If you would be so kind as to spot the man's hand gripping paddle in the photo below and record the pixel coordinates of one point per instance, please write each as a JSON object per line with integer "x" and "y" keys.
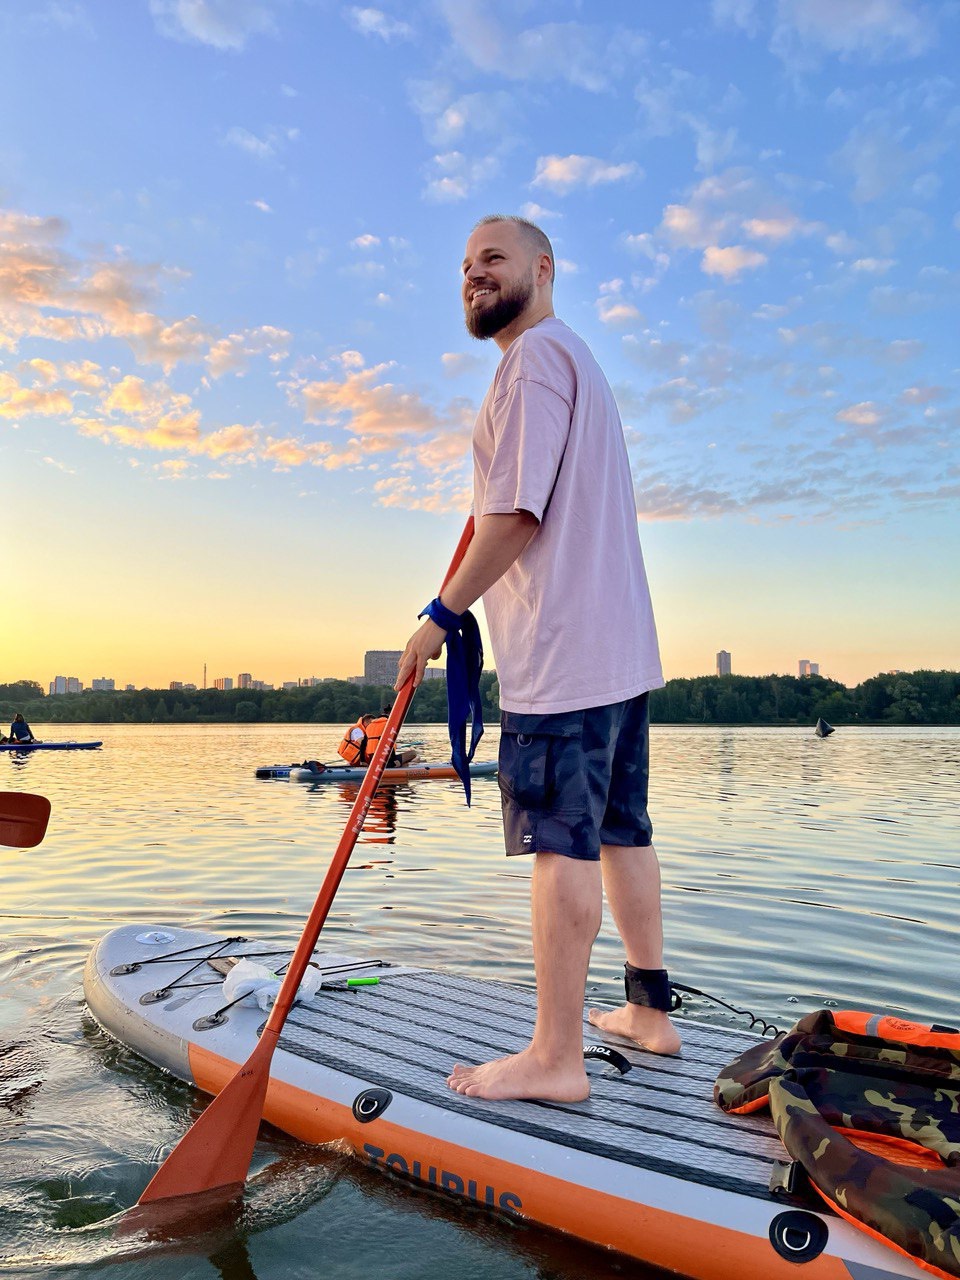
{"x": 23, "y": 819}
{"x": 215, "y": 1153}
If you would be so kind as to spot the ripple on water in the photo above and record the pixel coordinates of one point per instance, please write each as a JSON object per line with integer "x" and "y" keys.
{"x": 797, "y": 872}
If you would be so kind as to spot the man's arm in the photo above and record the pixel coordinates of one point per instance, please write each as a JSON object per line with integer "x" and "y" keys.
{"x": 497, "y": 542}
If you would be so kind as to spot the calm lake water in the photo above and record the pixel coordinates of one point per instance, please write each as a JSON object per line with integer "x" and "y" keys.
{"x": 797, "y": 872}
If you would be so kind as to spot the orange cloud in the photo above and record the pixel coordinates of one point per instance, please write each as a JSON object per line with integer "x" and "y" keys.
{"x": 402, "y": 492}
{"x": 233, "y": 354}
{"x": 17, "y": 401}
{"x": 369, "y": 411}
{"x": 730, "y": 261}
{"x": 84, "y": 373}
{"x": 90, "y": 300}
{"x": 44, "y": 370}
{"x": 227, "y": 441}
{"x": 864, "y": 414}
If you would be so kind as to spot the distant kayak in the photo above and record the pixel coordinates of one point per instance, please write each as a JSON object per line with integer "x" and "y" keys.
{"x": 349, "y": 773}
{"x": 49, "y": 746}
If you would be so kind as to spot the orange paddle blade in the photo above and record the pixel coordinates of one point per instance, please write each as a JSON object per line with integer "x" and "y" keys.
{"x": 216, "y": 1151}
{"x": 23, "y": 819}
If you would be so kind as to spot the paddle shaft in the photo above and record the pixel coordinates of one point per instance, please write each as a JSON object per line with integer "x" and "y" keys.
{"x": 216, "y": 1150}
{"x": 338, "y": 865}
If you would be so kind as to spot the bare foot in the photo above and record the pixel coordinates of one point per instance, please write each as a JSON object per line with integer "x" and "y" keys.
{"x": 520, "y": 1075}
{"x": 651, "y": 1029}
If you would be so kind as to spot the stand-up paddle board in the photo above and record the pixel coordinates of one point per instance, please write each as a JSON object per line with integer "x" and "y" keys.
{"x": 350, "y": 773}
{"x": 648, "y": 1165}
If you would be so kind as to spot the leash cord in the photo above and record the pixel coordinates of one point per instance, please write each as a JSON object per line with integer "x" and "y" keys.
{"x": 766, "y": 1028}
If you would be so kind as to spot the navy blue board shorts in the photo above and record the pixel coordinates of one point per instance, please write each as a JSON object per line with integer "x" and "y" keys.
{"x": 574, "y": 780}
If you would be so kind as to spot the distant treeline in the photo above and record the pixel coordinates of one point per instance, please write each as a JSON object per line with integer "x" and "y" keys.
{"x": 908, "y": 697}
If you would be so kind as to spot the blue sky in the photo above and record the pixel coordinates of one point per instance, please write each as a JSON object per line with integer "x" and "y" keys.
{"x": 235, "y": 388}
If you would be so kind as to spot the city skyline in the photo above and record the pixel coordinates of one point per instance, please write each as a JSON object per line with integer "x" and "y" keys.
{"x": 722, "y": 665}
{"x": 236, "y": 393}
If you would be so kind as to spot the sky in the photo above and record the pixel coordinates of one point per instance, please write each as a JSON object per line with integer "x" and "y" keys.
{"x": 236, "y": 393}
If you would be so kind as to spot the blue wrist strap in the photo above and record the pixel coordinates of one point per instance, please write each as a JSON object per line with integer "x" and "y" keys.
{"x": 438, "y": 612}
{"x": 464, "y": 666}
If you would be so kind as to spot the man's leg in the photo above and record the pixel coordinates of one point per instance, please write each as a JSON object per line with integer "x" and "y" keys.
{"x": 566, "y": 904}
{"x": 631, "y": 878}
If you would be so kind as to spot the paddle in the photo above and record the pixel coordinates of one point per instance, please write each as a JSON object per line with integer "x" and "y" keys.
{"x": 215, "y": 1152}
{"x": 23, "y": 819}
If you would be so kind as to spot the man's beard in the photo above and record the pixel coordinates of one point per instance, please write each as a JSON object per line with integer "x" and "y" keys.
{"x": 487, "y": 321}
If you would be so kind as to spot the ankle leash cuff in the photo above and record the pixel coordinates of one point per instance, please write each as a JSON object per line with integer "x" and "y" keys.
{"x": 648, "y": 987}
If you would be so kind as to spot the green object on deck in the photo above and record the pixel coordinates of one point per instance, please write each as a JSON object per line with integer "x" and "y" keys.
{"x": 362, "y": 982}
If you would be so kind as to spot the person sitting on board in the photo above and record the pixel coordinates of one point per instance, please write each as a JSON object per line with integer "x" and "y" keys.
{"x": 362, "y": 739}
{"x": 20, "y": 731}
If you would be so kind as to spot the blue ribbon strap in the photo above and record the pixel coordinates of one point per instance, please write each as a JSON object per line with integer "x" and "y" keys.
{"x": 464, "y": 667}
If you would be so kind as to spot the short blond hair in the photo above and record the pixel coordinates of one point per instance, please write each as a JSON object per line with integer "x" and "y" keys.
{"x": 533, "y": 235}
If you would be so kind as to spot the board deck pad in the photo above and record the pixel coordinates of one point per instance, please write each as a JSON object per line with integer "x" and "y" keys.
{"x": 407, "y": 1033}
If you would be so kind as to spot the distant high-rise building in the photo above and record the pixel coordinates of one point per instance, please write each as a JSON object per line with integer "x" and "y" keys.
{"x": 435, "y": 673}
{"x": 65, "y": 684}
{"x": 290, "y": 684}
{"x": 223, "y": 683}
{"x": 244, "y": 680}
{"x": 380, "y": 665}
{"x": 103, "y": 685}
{"x": 808, "y": 668}
{"x": 130, "y": 688}
{"x": 176, "y": 684}
{"x": 723, "y": 663}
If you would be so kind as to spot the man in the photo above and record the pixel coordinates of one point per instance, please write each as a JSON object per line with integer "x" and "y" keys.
{"x": 556, "y": 557}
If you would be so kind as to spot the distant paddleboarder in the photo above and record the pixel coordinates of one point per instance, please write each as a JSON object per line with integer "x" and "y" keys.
{"x": 360, "y": 742}
{"x": 20, "y": 731}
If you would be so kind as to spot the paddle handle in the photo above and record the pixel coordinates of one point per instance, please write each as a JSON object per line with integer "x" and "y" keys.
{"x": 338, "y": 864}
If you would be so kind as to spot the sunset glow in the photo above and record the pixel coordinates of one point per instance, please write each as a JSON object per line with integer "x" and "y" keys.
{"x": 236, "y": 393}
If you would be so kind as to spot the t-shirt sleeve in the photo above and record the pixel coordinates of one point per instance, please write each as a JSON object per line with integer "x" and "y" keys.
{"x": 531, "y": 423}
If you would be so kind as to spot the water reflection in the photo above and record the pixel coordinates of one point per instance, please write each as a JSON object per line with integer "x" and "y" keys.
{"x": 797, "y": 872}
{"x": 380, "y": 824}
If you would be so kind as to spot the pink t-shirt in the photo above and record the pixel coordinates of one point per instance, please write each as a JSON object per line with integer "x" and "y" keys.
{"x": 570, "y": 621}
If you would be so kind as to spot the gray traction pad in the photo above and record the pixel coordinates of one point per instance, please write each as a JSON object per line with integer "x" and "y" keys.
{"x": 406, "y": 1033}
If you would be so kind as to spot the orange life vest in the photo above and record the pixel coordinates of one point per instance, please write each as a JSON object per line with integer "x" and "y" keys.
{"x": 362, "y": 752}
